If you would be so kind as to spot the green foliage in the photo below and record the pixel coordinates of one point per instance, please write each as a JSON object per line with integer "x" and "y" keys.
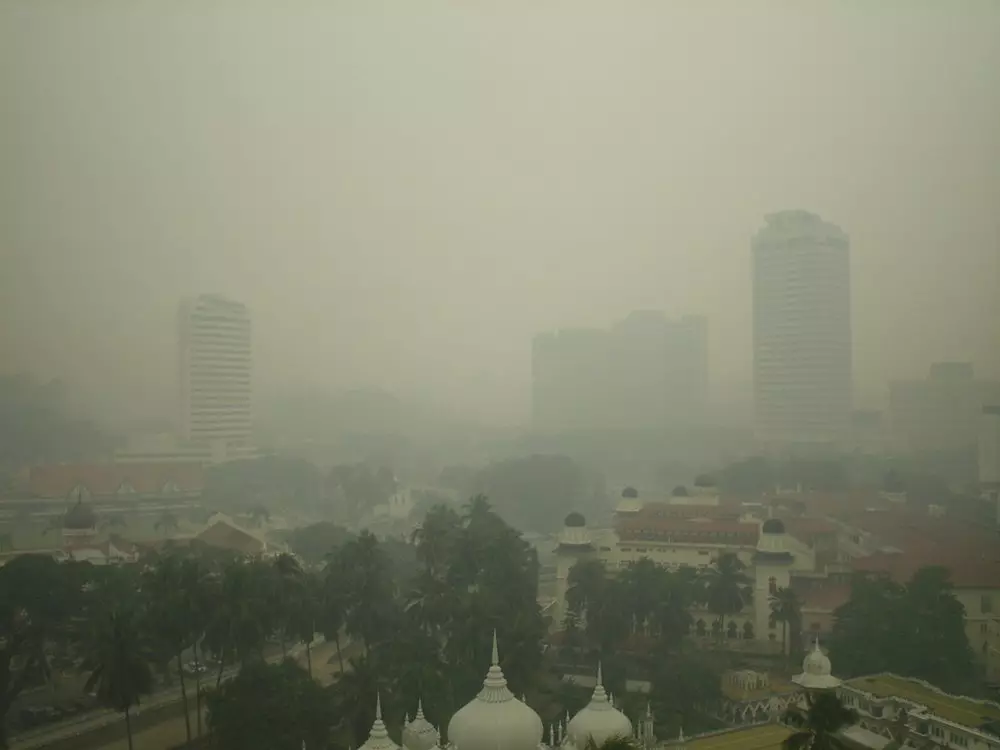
{"x": 270, "y": 707}
{"x": 260, "y": 482}
{"x": 39, "y": 600}
{"x": 358, "y": 488}
{"x": 726, "y": 588}
{"x": 312, "y": 543}
{"x": 36, "y": 426}
{"x": 645, "y": 598}
{"x": 686, "y": 683}
{"x": 818, "y": 725}
{"x": 916, "y": 630}
{"x": 786, "y": 608}
{"x": 536, "y": 492}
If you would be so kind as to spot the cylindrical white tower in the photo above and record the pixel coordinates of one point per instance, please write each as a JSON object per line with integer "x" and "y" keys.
{"x": 801, "y": 333}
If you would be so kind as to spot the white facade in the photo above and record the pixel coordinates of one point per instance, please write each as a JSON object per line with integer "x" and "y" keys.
{"x": 216, "y": 367}
{"x": 801, "y": 332}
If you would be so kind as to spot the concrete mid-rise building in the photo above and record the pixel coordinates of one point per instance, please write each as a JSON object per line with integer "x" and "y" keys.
{"x": 647, "y": 372}
{"x": 802, "y": 359}
{"x": 216, "y": 373}
{"x": 942, "y": 413}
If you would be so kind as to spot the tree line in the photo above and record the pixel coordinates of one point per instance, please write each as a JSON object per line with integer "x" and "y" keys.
{"x": 425, "y": 634}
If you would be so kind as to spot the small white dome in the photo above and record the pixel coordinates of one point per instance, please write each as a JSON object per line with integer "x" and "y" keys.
{"x": 598, "y": 720}
{"x": 495, "y": 719}
{"x": 379, "y": 738}
{"x": 817, "y": 672}
{"x": 419, "y": 734}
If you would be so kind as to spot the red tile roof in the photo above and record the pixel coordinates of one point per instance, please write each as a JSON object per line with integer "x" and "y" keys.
{"x": 58, "y": 480}
{"x": 912, "y": 540}
{"x": 966, "y": 572}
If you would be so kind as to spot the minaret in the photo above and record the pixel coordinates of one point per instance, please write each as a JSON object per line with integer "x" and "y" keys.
{"x": 648, "y": 733}
{"x": 378, "y": 738}
{"x": 772, "y": 562}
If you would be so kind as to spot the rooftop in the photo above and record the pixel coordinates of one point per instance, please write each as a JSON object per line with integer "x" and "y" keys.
{"x": 964, "y": 711}
{"x": 764, "y": 737}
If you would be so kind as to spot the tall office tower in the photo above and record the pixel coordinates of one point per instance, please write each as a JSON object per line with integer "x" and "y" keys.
{"x": 801, "y": 334}
{"x": 216, "y": 367}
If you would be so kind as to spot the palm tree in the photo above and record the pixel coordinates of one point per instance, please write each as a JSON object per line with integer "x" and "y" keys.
{"x": 170, "y": 615}
{"x": 818, "y": 725}
{"x": 121, "y": 672}
{"x": 786, "y": 608}
{"x": 288, "y": 583}
{"x": 726, "y": 588}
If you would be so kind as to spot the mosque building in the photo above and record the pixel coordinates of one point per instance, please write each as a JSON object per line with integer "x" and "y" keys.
{"x": 497, "y": 720}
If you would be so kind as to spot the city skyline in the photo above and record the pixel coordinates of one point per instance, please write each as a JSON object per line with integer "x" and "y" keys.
{"x": 416, "y": 243}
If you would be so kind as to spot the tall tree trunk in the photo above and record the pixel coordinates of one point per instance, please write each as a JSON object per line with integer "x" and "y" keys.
{"x": 184, "y": 698}
{"x": 222, "y": 666}
{"x": 128, "y": 727}
{"x": 340, "y": 656}
{"x": 197, "y": 688}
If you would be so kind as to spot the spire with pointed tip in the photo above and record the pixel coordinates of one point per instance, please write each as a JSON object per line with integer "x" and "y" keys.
{"x": 680, "y": 735}
{"x": 496, "y": 651}
{"x": 600, "y": 679}
{"x": 420, "y": 709}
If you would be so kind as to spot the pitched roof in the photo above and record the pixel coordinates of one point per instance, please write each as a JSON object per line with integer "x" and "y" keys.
{"x": 58, "y": 480}
{"x": 227, "y": 536}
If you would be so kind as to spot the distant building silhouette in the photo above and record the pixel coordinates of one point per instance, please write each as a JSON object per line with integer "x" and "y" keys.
{"x": 646, "y": 372}
{"x": 941, "y": 413}
{"x": 801, "y": 333}
{"x": 216, "y": 374}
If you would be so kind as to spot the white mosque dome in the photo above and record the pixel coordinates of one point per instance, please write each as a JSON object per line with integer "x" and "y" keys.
{"x": 495, "y": 719}
{"x": 817, "y": 672}
{"x": 599, "y": 720}
{"x": 379, "y": 738}
{"x": 419, "y": 734}
{"x": 575, "y": 532}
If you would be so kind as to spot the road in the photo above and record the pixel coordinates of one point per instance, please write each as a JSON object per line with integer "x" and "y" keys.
{"x": 171, "y": 732}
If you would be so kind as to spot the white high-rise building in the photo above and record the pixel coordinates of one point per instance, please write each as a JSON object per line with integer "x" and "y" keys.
{"x": 801, "y": 333}
{"x": 216, "y": 375}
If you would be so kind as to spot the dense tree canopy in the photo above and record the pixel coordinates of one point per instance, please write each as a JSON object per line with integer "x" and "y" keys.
{"x": 266, "y": 481}
{"x": 915, "y": 630}
{"x": 270, "y": 707}
{"x": 536, "y": 492}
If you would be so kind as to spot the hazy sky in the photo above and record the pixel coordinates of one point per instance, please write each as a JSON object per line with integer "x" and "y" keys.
{"x": 403, "y": 193}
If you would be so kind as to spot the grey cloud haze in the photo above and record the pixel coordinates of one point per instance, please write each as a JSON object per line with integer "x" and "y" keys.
{"x": 403, "y": 193}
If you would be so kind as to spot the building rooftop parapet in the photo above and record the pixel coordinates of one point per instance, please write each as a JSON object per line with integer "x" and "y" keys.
{"x": 924, "y": 711}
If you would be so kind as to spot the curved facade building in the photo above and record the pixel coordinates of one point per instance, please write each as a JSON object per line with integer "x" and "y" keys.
{"x": 801, "y": 333}
{"x": 216, "y": 369}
